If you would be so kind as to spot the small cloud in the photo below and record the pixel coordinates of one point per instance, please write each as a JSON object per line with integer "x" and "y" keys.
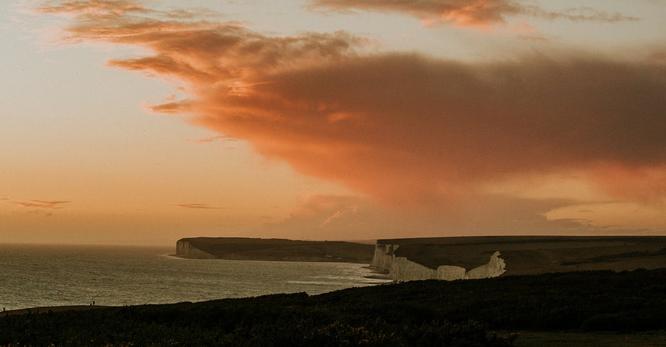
{"x": 481, "y": 14}
{"x": 171, "y": 107}
{"x": 116, "y": 7}
{"x": 222, "y": 138}
{"x": 579, "y": 14}
{"x": 200, "y": 206}
{"x": 191, "y": 14}
{"x": 45, "y": 204}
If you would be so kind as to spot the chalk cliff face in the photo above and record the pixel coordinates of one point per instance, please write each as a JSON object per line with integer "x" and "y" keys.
{"x": 452, "y": 258}
{"x": 403, "y": 269}
{"x": 185, "y": 249}
{"x": 383, "y": 257}
{"x": 495, "y": 268}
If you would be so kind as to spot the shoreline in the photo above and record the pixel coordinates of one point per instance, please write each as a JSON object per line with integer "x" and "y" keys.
{"x": 47, "y": 309}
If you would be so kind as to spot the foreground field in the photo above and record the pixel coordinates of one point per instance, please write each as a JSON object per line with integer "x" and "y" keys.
{"x": 589, "y": 339}
{"x": 552, "y": 309}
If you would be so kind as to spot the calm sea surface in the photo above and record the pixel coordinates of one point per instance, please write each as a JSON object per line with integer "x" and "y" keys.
{"x": 75, "y": 275}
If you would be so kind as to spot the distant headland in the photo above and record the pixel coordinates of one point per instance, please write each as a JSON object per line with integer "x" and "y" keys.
{"x": 241, "y": 248}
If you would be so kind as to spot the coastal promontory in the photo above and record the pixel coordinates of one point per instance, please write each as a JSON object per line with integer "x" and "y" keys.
{"x": 241, "y": 248}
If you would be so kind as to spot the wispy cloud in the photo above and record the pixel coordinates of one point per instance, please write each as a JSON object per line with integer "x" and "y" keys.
{"x": 42, "y": 204}
{"x": 339, "y": 214}
{"x": 469, "y": 13}
{"x": 221, "y": 138}
{"x": 200, "y": 206}
{"x": 581, "y": 14}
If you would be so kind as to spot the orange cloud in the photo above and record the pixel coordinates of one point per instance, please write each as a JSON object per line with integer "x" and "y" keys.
{"x": 94, "y": 7}
{"x": 44, "y": 204}
{"x": 403, "y": 128}
{"x": 475, "y": 13}
{"x": 221, "y": 138}
{"x": 458, "y": 12}
{"x": 646, "y": 184}
{"x": 199, "y": 206}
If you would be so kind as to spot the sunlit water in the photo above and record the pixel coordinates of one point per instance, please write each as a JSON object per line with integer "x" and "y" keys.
{"x": 33, "y": 276}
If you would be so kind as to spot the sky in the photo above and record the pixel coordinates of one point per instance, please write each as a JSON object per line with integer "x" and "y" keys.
{"x": 141, "y": 122}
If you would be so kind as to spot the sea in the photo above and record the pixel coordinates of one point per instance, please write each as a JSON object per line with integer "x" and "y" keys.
{"x": 40, "y": 275}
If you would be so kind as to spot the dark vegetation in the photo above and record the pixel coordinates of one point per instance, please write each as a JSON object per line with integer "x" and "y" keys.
{"x": 617, "y": 257}
{"x": 282, "y": 249}
{"x": 461, "y": 313}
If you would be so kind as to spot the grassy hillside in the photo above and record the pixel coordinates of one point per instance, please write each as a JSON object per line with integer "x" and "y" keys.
{"x": 463, "y": 313}
{"x": 282, "y": 249}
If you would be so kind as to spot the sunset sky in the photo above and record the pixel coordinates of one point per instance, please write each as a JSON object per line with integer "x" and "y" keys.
{"x": 140, "y": 122}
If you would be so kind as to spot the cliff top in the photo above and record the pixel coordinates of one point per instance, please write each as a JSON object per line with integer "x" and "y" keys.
{"x": 460, "y": 240}
{"x": 281, "y": 249}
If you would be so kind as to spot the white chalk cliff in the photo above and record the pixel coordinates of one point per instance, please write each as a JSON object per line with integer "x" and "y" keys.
{"x": 185, "y": 249}
{"x": 402, "y": 269}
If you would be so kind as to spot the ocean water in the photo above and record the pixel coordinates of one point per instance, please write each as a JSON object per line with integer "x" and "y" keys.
{"x": 32, "y": 276}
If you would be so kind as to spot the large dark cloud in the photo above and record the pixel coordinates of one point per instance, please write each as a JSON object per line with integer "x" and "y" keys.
{"x": 400, "y": 126}
{"x": 404, "y": 128}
